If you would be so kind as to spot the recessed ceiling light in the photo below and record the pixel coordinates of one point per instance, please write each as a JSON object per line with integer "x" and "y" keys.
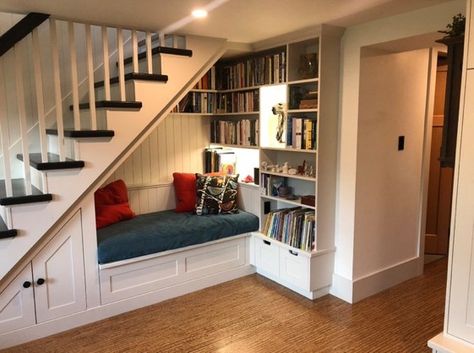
{"x": 199, "y": 13}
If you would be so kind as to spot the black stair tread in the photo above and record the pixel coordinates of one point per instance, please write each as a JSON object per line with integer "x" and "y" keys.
{"x": 111, "y": 104}
{"x": 5, "y": 232}
{"x": 82, "y": 133}
{"x": 135, "y": 76}
{"x": 19, "y": 194}
{"x": 52, "y": 163}
{"x": 161, "y": 50}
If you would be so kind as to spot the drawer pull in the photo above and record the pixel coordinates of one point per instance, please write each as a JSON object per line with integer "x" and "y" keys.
{"x": 292, "y": 252}
{"x": 267, "y": 242}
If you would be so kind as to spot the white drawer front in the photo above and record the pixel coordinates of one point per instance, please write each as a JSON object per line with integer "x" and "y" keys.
{"x": 294, "y": 268}
{"x": 267, "y": 257}
{"x": 136, "y": 278}
{"x": 133, "y": 279}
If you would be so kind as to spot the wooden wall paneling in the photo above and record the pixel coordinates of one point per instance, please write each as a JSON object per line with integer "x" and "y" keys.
{"x": 170, "y": 152}
{"x": 154, "y": 165}
{"x": 162, "y": 153}
{"x": 146, "y": 161}
{"x": 178, "y": 143}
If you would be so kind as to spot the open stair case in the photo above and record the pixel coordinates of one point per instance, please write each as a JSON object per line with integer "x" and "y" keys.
{"x": 56, "y": 147}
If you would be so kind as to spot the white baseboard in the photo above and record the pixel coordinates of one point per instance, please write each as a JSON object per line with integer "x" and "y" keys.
{"x": 353, "y": 291}
{"x": 102, "y": 312}
{"x": 382, "y": 279}
{"x": 341, "y": 288}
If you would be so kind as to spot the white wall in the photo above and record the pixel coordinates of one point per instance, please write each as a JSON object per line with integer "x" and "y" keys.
{"x": 392, "y": 103}
{"x": 418, "y": 22}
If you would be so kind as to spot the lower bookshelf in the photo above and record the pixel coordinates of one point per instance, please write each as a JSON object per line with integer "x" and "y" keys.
{"x": 307, "y": 273}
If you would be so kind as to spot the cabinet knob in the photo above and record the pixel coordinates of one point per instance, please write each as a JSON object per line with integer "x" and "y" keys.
{"x": 26, "y": 284}
{"x": 40, "y": 281}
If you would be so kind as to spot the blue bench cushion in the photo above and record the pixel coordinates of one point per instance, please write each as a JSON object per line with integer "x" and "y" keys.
{"x": 155, "y": 232}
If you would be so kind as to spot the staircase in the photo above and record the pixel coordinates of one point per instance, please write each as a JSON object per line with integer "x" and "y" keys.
{"x": 83, "y": 113}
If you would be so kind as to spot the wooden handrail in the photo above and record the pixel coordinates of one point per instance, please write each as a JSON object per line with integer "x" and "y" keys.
{"x": 21, "y": 30}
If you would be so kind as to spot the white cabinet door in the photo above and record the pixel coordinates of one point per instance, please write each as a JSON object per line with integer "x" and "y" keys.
{"x": 58, "y": 273}
{"x": 267, "y": 257}
{"x": 17, "y": 308}
{"x": 461, "y": 293}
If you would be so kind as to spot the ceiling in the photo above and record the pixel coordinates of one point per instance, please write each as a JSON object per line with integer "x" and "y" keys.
{"x": 245, "y": 21}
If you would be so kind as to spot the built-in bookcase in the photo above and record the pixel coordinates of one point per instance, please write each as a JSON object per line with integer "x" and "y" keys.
{"x": 295, "y": 151}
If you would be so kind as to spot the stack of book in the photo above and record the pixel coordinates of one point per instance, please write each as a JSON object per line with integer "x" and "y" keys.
{"x": 243, "y": 132}
{"x": 301, "y": 133}
{"x": 292, "y": 226}
{"x": 254, "y": 71}
{"x": 208, "y": 81}
{"x": 237, "y": 102}
{"x": 219, "y": 160}
{"x": 309, "y": 100}
{"x": 196, "y": 102}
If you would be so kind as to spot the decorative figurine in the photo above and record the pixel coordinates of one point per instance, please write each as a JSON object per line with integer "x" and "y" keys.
{"x": 292, "y": 171}
{"x": 264, "y": 166}
{"x": 284, "y": 168}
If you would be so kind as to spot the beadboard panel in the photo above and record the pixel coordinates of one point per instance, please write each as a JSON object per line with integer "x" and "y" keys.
{"x": 176, "y": 145}
{"x": 152, "y": 198}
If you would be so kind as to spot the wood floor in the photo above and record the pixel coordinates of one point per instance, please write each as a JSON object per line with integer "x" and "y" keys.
{"x": 253, "y": 314}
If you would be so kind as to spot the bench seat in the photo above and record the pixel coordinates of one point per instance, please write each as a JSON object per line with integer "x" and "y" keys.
{"x": 167, "y": 230}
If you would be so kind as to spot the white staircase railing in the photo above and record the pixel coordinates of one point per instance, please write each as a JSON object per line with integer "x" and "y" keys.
{"x": 55, "y": 67}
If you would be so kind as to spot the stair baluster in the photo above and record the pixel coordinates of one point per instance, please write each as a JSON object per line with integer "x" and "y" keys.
{"x": 74, "y": 80}
{"x": 58, "y": 101}
{"x": 105, "y": 49}
{"x": 43, "y": 139}
{"x": 121, "y": 67}
{"x": 90, "y": 77}
{"x": 20, "y": 98}
{"x": 149, "y": 57}
{"x": 5, "y": 139}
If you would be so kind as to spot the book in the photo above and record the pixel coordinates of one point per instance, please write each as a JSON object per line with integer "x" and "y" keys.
{"x": 298, "y": 133}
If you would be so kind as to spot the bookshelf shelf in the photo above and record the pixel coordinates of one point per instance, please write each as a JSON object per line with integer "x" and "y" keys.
{"x": 288, "y": 149}
{"x": 192, "y": 114}
{"x": 315, "y": 110}
{"x": 299, "y": 82}
{"x": 296, "y": 202}
{"x": 200, "y": 90}
{"x": 236, "y": 113}
{"x": 299, "y": 177}
{"x": 234, "y": 146}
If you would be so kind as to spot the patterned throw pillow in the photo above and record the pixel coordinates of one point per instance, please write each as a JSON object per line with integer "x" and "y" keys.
{"x": 216, "y": 194}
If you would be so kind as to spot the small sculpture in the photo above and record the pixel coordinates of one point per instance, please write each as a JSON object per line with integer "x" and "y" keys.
{"x": 284, "y": 168}
{"x": 292, "y": 171}
{"x": 264, "y": 166}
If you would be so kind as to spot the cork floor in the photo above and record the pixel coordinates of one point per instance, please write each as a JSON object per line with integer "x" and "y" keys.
{"x": 253, "y": 314}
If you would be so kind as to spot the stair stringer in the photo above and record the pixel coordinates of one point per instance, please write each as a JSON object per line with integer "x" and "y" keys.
{"x": 102, "y": 157}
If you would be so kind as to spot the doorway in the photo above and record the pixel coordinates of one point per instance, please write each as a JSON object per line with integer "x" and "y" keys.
{"x": 440, "y": 185}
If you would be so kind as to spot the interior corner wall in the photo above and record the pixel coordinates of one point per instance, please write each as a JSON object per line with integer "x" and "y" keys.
{"x": 176, "y": 145}
{"x": 427, "y": 20}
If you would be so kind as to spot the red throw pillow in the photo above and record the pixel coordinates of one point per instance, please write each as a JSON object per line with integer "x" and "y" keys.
{"x": 111, "y": 204}
{"x": 185, "y": 191}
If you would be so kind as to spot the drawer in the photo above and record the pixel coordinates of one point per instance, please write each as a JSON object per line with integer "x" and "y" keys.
{"x": 266, "y": 257}
{"x": 294, "y": 268}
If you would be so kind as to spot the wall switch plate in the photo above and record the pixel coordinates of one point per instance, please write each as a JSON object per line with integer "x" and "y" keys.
{"x": 401, "y": 143}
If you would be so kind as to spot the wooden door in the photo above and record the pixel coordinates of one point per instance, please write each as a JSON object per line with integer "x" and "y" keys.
{"x": 460, "y": 309}
{"x": 58, "y": 272}
{"x": 17, "y": 308}
{"x": 438, "y": 213}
